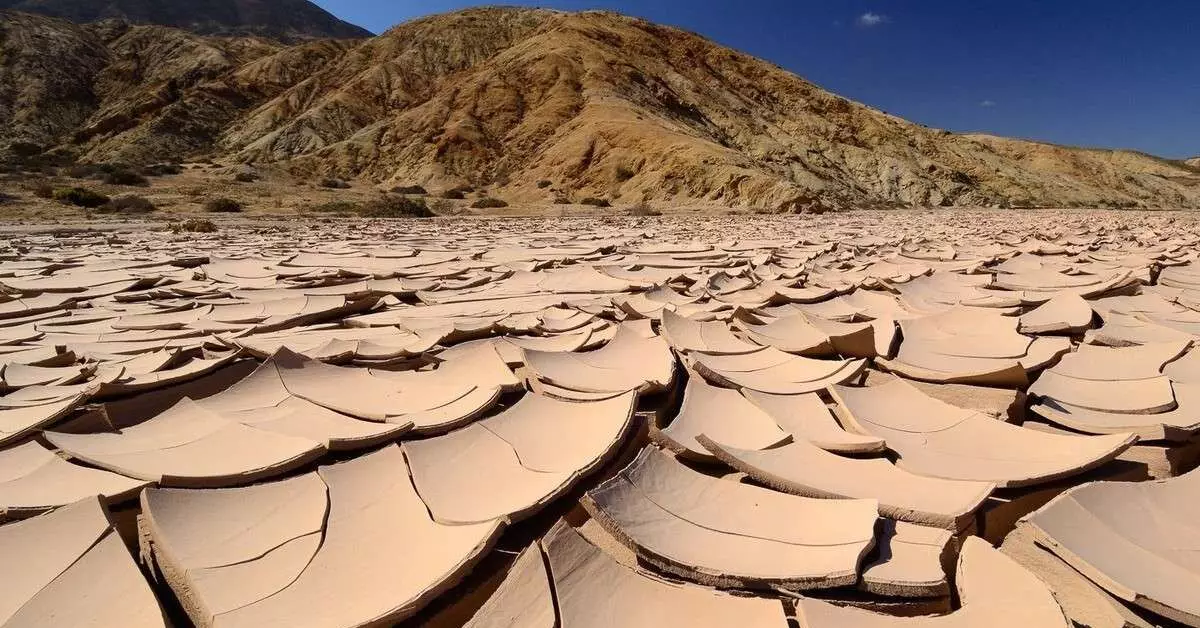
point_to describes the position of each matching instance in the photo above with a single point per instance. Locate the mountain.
(289, 20)
(536, 104)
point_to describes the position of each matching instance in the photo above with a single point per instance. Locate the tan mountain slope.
(543, 105)
(46, 72)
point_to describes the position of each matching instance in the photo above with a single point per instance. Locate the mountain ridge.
(541, 106)
(289, 20)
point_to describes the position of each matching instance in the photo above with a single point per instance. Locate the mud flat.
(827, 420)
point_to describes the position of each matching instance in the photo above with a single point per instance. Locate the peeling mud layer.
(816, 421)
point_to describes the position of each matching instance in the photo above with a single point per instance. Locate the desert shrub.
(60, 156)
(162, 170)
(409, 189)
(544, 183)
(25, 150)
(334, 184)
(644, 209)
(442, 207)
(43, 190)
(80, 197)
(5, 198)
(193, 225)
(30, 157)
(222, 205)
(624, 174)
(458, 193)
(596, 202)
(121, 176)
(396, 207)
(245, 177)
(86, 170)
(130, 204)
(82, 171)
(336, 207)
(488, 202)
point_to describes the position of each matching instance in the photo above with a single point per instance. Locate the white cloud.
(987, 103)
(869, 19)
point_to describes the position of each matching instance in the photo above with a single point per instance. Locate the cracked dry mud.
(830, 421)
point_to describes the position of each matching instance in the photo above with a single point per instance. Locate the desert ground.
(309, 418)
(266, 191)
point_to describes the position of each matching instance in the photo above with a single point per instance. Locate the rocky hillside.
(540, 106)
(289, 20)
(1193, 162)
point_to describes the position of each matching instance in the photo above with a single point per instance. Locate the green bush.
(415, 190)
(544, 183)
(596, 202)
(396, 207)
(127, 205)
(624, 174)
(222, 206)
(80, 197)
(488, 202)
(245, 177)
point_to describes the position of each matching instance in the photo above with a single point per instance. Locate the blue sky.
(1106, 73)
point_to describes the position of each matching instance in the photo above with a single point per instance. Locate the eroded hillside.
(543, 106)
